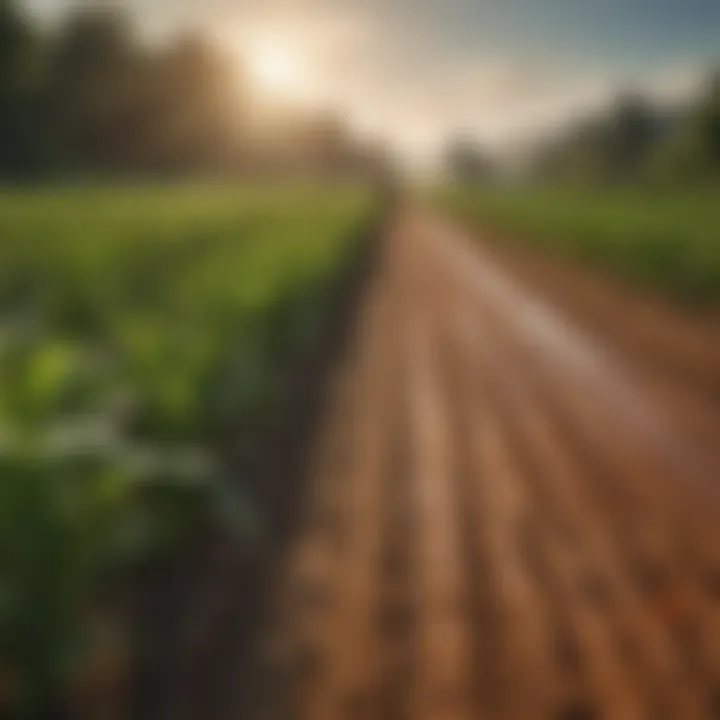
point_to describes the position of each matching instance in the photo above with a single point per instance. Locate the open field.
(498, 494)
(667, 240)
(140, 330)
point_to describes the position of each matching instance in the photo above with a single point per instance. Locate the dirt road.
(507, 518)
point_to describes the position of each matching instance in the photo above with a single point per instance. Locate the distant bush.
(669, 240)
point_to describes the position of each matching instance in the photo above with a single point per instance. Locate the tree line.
(89, 99)
(637, 141)
(634, 141)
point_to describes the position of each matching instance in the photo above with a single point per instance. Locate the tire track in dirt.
(675, 352)
(680, 341)
(584, 571)
(677, 588)
(443, 678)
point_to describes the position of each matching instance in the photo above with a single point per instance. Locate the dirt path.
(502, 523)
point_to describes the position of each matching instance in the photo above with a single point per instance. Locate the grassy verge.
(137, 327)
(669, 241)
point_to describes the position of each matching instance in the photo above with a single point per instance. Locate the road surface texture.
(514, 505)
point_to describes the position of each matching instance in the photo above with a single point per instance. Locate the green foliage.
(693, 152)
(20, 60)
(638, 142)
(90, 99)
(669, 240)
(136, 327)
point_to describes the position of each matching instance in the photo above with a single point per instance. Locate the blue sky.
(631, 32)
(417, 70)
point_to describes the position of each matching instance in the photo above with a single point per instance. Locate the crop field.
(669, 241)
(137, 328)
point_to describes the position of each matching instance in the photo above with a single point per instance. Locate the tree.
(201, 105)
(466, 162)
(92, 99)
(708, 122)
(90, 60)
(632, 133)
(692, 150)
(19, 59)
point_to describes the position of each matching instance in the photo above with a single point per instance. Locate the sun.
(277, 69)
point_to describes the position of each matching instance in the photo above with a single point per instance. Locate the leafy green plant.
(136, 327)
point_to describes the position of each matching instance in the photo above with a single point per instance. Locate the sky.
(419, 71)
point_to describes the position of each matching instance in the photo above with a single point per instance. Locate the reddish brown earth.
(514, 503)
(675, 350)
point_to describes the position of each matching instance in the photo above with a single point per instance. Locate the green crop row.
(137, 326)
(667, 240)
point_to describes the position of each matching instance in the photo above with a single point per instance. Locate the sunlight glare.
(278, 69)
